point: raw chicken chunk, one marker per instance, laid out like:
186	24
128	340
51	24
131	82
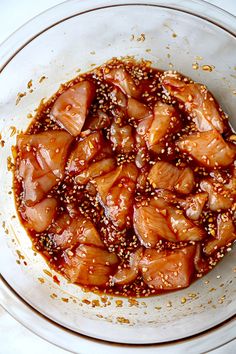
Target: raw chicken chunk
96	169
42	162
124	81
68	232
194	204
159	220
84	152
71	107
219	197
151	225
41	215
165	121
128	274
168	270
208	148
90	265
185	229
165	175
116	192
137	110
225	234
198	102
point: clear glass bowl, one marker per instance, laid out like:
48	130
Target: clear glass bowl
79	35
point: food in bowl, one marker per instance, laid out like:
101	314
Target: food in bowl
125	180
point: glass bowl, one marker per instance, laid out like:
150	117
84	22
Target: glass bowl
51	49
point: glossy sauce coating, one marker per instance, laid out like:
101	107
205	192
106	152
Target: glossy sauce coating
125	181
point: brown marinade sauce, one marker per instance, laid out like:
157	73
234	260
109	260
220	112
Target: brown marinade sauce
84	197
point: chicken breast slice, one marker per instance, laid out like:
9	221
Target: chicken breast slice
122	138
198	102
159	220
137	110
96	169
84	152
67	232
43	158
219	198
225	234
168	270
71	107
121	78
116	193
40	216
208	148
194	205
166	176
165	121
90	265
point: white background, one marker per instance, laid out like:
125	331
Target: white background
14	338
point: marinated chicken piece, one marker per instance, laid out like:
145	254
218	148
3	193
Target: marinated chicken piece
104	183
84	152
194	205
41	215
159	220
116	192
72	106
154	130
42	162
128	274
99	120
36	183
225	234
90	265
50	149
67	232
208	148
137	110
185	229
165	121
119	203
165	175
150	225
124	81
96	169
168	270
219	197
198	102
122	138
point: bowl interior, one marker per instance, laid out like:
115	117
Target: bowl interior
170	39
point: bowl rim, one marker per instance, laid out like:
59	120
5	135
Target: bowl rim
20	38
9	49
36	320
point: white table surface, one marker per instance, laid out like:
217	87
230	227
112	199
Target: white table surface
14	338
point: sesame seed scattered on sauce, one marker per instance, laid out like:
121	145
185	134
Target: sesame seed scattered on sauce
125	181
